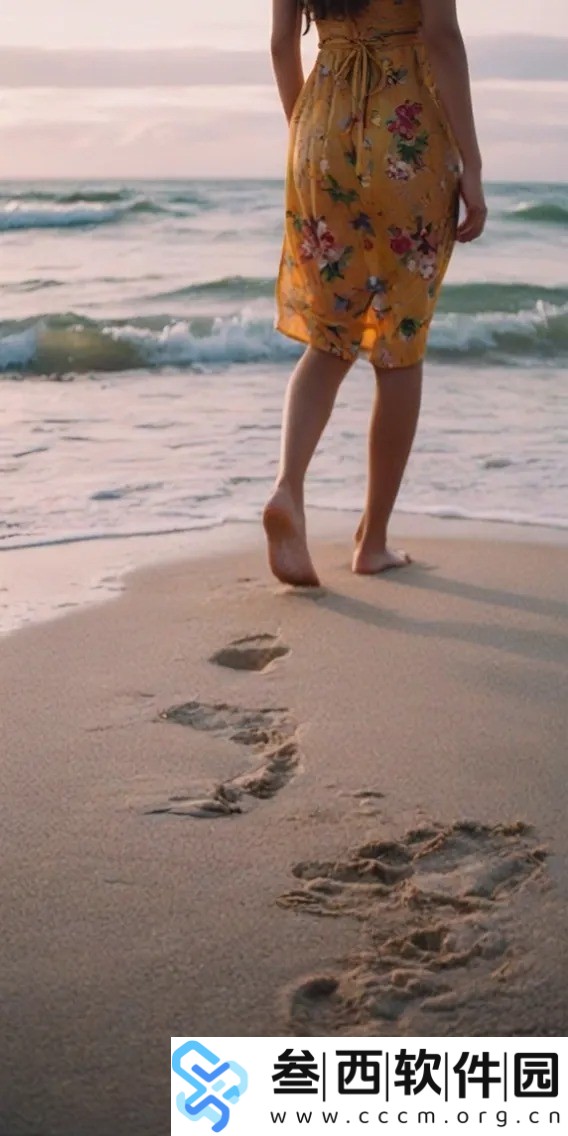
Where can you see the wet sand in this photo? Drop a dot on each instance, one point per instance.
(231, 809)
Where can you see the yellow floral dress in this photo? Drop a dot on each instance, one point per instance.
(371, 192)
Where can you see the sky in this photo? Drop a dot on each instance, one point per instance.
(150, 88)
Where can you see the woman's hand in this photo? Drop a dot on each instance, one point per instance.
(473, 197)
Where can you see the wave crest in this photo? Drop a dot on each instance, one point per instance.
(73, 344)
(74, 212)
(541, 213)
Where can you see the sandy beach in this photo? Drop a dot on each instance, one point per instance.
(232, 809)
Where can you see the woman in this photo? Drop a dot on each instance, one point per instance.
(382, 147)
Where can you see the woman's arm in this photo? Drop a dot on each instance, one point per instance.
(442, 36)
(285, 50)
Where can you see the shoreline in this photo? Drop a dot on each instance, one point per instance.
(79, 573)
(230, 808)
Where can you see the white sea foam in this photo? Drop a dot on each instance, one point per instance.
(543, 325)
(230, 340)
(69, 343)
(536, 332)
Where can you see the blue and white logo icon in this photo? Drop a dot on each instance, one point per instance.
(215, 1090)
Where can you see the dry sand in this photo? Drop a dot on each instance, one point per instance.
(231, 809)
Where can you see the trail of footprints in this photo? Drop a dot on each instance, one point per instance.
(269, 733)
(434, 907)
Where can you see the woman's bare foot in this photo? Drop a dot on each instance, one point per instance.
(288, 553)
(371, 563)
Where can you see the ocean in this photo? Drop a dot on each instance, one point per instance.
(142, 379)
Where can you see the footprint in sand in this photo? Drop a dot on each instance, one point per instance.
(368, 801)
(367, 794)
(252, 653)
(271, 735)
(433, 906)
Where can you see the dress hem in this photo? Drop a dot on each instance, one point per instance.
(364, 352)
(308, 343)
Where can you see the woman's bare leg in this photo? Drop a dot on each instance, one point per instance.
(311, 393)
(392, 430)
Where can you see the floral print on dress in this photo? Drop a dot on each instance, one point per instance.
(417, 250)
(318, 243)
(411, 141)
(371, 192)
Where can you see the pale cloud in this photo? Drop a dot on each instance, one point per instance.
(201, 132)
(192, 112)
(173, 67)
(519, 57)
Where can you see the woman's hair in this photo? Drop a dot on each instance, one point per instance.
(326, 9)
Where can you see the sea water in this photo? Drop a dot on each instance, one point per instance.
(142, 378)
